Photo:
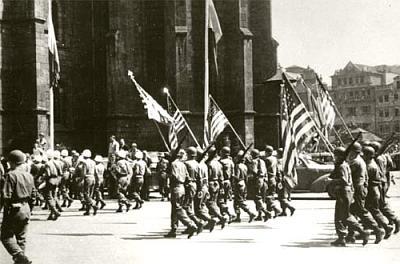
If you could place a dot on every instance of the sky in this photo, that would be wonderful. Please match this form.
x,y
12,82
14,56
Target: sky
x,y
327,34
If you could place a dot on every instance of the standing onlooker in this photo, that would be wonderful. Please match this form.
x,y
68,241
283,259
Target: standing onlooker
x,y
42,141
113,147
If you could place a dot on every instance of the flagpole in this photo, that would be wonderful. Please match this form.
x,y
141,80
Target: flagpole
x,y
336,110
51,116
169,97
326,142
230,125
162,136
206,68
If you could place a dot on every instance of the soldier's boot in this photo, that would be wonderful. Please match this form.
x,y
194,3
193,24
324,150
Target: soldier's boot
x,y
128,206
267,215
83,208
119,210
200,227
64,204
70,201
59,207
191,231
237,218
223,222
292,210
95,208
102,204
171,234
277,211
379,234
87,210
388,231
20,258
211,224
365,237
397,226
350,238
251,217
259,217
340,242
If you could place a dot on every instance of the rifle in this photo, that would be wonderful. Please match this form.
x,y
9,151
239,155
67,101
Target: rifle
x,y
174,152
388,142
245,151
207,149
346,153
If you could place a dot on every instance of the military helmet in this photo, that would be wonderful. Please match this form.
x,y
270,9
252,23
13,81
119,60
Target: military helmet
x,y
56,154
191,151
138,155
37,159
49,154
369,151
366,143
226,150
86,153
17,157
255,153
356,147
339,152
269,149
376,145
64,153
122,154
181,153
98,158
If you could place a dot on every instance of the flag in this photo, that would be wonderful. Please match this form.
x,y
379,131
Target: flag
x,y
217,122
54,59
178,125
154,111
327,110
213,21
297,126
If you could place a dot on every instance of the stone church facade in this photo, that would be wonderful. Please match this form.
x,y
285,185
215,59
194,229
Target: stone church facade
x,y
161,41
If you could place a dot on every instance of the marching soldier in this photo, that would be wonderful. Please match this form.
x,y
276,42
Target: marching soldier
x,y
66,163
99,181
257,170
137,180
214,175
89,181
342,182
162,173
179,175
16,192
271,163
51,174
373,196
359,176
239,188
225,194
122,172
283,187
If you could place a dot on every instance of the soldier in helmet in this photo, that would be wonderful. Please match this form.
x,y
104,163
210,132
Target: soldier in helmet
x,y
258,171
343,189
66,164
51,174
137,181
89,181
359,176
122,172
16,192
239,188
99,181
283,187
214,176
271,163
179,175
374,184
162,173
228,169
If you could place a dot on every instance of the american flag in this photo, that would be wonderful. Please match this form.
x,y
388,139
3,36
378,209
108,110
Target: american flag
x,y
177,126
217,122
327,109
52,43
297,126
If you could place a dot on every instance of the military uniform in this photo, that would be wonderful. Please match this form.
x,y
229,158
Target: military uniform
x,y
123,173
51,176
214,175
17,191
89,184
137,181
162,173
99,182
66,181
271,163
283,189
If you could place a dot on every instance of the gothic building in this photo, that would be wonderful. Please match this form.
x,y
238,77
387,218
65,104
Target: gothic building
x,y
161,41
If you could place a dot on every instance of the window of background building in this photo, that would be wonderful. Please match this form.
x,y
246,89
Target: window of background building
x,y
398,84
380,99
339,82
380,113
386,98
366,109
387,113
351,94
357,93
396,96
381,129
344,81
351,111
363,93
362,79
396,111
368,92
396,128
350,81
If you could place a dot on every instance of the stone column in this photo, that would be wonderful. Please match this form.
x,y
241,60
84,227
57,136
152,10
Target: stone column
x,y
24,72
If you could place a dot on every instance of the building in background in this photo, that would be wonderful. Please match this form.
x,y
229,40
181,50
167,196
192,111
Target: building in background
x,y
161,41
368,97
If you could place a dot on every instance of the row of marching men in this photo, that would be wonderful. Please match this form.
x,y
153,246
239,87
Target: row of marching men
x,y
361,179
203,183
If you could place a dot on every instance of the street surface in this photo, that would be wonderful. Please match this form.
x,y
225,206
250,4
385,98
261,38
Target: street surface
x,y
137,237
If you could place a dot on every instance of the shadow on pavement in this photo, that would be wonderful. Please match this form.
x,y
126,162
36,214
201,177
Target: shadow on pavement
x,y
77,234
314,243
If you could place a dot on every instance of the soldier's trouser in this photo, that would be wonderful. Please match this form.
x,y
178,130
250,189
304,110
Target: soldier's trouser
x,y
137,188
64,187
239,200
226,185
373,199
14,229
98,196
259,194
343,218
200,207
164,188
88,190
213,208
386,210
190,192
358,209
50,196
178,213
122,191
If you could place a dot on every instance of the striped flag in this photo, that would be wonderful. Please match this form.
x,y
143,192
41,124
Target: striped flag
x,y
297,127
327,109
154,111
177,126
217,122
52,43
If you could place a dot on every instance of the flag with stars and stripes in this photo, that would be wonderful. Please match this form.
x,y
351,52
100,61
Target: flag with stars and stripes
x,y
217,121
327,109
298,127
177,126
